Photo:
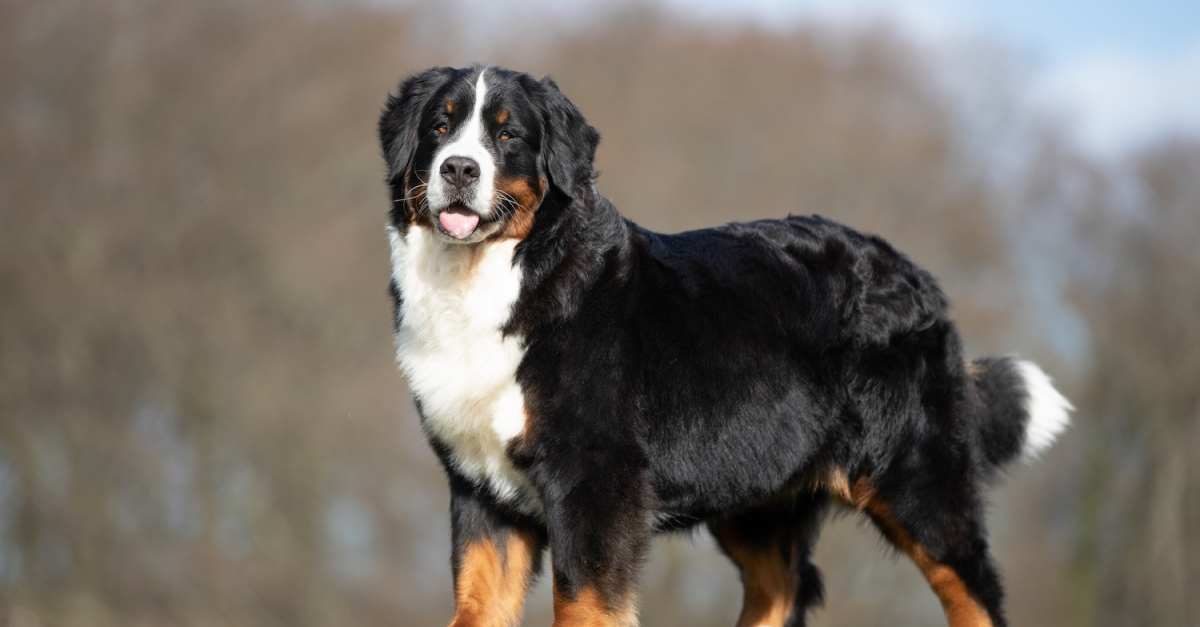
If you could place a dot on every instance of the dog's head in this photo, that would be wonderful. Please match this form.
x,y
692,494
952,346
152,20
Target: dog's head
x,y
473,153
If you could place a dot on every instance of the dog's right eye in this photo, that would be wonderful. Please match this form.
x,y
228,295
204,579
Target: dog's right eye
x,y
441,128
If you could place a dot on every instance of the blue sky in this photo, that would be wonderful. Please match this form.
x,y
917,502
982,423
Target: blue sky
x,y
1056,29
1118,73
1124,72
1062,30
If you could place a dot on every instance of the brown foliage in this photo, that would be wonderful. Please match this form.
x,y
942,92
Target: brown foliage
x,y
1138,549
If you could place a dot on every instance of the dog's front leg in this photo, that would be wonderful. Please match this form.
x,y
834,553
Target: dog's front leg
x,y
599,528
495,558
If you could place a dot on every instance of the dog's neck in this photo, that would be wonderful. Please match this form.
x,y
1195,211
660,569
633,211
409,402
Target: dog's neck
x,y
575,243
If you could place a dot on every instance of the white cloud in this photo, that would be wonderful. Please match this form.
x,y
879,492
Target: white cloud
x,y
1110,100
1117,100
924,17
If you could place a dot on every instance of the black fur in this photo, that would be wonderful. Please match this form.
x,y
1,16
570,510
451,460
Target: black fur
x,y
721,375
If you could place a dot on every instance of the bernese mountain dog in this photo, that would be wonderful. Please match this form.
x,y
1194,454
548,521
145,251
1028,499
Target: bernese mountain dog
x,y
588,383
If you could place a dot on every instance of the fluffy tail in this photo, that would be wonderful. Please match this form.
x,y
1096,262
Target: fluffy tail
x,y
1022,413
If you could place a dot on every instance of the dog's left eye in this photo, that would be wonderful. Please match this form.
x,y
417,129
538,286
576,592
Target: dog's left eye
x,y
505,135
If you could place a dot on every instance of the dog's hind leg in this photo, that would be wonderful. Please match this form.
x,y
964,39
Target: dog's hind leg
x,y
942,532
772,545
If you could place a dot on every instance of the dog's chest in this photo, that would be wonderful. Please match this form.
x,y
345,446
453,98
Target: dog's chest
x,y
460,367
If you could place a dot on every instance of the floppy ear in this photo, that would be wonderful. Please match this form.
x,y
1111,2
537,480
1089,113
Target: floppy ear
x,y
568,144
399,124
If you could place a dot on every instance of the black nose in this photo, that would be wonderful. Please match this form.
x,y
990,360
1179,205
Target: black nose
x,y
460,171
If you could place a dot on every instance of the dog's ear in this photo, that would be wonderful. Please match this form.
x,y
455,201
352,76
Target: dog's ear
x,y
399,124
568,142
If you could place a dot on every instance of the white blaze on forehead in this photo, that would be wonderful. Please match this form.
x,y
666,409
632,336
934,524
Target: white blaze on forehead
x,y
469,141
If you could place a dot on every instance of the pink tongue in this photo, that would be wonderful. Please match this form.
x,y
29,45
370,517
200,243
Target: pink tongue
x,y
458,222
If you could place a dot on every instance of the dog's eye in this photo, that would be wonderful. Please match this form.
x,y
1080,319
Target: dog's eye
x,y
505,135
441,129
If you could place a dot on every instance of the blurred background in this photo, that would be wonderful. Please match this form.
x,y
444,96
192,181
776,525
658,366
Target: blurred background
x,y
200,418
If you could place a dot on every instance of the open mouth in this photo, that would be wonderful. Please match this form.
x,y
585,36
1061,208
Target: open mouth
x,y
458,221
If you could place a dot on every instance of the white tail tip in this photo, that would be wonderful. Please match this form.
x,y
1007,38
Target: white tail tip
x,y
1046,408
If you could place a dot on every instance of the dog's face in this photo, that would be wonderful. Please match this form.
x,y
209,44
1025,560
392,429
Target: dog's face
x,y
473,153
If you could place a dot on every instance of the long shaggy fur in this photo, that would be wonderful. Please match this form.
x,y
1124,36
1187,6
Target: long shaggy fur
x,y
587,382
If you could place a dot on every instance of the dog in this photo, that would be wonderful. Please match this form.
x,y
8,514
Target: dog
x,y
587,383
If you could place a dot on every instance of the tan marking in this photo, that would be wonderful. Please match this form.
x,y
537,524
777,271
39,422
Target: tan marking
x,y
528,197
588,609
769,589
962,610
490,588
502,116
974,370
863,494
836,484
451,106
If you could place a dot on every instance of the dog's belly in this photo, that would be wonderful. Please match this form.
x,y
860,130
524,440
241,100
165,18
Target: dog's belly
x,y
765,446
459,366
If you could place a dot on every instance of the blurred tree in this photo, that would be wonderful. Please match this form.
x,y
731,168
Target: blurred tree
x,y
198,409
1139,515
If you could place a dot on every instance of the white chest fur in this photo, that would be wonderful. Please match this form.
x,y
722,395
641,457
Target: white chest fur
x,y
459,365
